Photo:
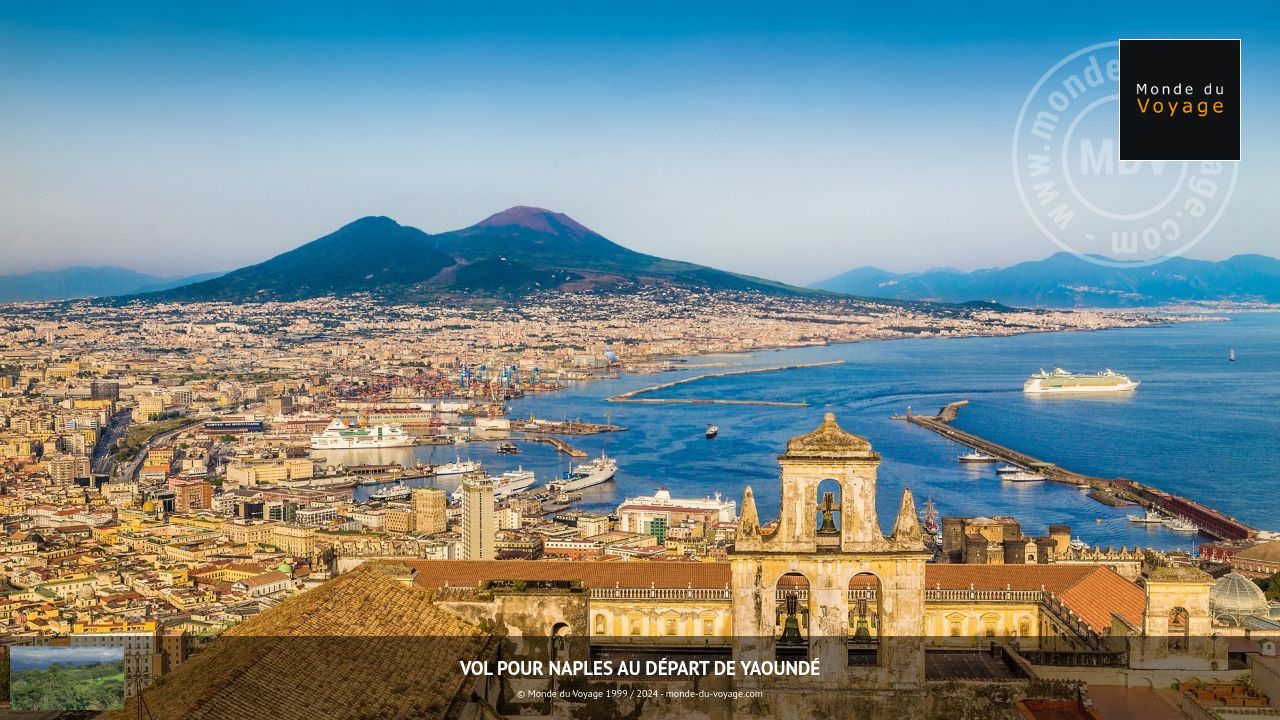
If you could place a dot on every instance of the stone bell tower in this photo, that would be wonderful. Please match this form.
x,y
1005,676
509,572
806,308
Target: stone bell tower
x,y
832,570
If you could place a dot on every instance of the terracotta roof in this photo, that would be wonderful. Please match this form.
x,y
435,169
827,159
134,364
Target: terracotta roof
x,y
1091,591
362,645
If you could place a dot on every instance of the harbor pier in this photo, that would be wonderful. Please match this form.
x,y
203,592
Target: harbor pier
x,y
1110,491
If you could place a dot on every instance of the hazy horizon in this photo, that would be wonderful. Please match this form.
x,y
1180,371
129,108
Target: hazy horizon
x,y
179,140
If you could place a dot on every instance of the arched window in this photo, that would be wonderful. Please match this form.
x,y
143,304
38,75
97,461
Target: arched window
x,y
1179,629
600,624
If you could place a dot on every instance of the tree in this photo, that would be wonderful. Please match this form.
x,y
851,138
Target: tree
x,y
1272,587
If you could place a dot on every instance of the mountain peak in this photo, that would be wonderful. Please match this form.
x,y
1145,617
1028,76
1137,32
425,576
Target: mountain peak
x,y
534,218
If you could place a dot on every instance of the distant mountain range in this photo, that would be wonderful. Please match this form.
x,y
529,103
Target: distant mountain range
x,y
80,282
1066,280
512,253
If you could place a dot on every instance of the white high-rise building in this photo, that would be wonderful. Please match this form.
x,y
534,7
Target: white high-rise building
x,y
479,526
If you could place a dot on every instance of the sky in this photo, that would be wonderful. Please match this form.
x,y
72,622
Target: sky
x,y
787,140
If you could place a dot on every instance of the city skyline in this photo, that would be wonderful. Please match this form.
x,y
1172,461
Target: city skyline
x,y
175,142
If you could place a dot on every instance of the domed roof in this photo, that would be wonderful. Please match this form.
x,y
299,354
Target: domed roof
x,y
829,441
1235,597
148,506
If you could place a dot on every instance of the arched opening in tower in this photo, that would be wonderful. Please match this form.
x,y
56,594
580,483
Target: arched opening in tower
x,y
791,615
864,619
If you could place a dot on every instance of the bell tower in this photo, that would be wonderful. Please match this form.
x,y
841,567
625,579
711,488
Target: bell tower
x,y
860,593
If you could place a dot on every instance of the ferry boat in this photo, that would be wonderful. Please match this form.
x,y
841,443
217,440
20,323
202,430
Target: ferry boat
x,y
507,484
1022,476
712,431
588,474
1079,545
1008,469
509,449
977,457
1151,517
340,435
399,491
1062,381
457,467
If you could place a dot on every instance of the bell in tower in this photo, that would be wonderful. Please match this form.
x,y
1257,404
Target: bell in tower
x,y
828,526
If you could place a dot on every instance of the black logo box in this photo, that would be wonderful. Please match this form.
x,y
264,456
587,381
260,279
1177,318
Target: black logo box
x,y
1186,68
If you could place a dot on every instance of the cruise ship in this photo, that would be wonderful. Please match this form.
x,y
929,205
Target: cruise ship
x,y
506,484
341,435
588,474
1061,381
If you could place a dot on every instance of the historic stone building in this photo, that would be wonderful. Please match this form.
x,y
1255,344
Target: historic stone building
x,y
847,572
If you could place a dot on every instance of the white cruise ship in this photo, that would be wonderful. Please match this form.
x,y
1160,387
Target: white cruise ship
x,y
341,435
1061,381
588,474
506,484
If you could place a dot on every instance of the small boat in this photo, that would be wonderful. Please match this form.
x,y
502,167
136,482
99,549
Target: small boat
x,y
1022,476
1150,517
712,431
1180,525
977,457
1008,469
1231,356
509,449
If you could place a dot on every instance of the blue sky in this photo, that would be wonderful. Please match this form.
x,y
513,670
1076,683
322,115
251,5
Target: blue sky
x,y
790,141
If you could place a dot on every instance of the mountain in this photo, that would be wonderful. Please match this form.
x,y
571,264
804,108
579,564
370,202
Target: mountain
x,y
80,281
1067,280
511,253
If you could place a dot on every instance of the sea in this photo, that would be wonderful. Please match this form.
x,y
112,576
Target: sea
x,y
1199,425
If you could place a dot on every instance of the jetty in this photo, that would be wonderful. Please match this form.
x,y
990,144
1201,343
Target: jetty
x,y
559,445
1110,491
634,395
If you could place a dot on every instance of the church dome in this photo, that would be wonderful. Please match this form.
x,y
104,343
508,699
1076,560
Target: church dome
x,y
148,507
1235,597
830,442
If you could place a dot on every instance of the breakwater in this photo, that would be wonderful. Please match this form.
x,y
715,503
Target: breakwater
x,y
634,395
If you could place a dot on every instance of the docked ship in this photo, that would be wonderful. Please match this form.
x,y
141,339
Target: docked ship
x,y
1022,476
977,457
588,474
342,435
457,467
1062,381
399,491
1150,517
506,484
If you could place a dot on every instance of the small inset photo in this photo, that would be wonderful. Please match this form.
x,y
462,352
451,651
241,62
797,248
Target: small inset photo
x,y
66,678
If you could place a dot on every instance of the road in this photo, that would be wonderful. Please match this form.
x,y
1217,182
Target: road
x,y
100,460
